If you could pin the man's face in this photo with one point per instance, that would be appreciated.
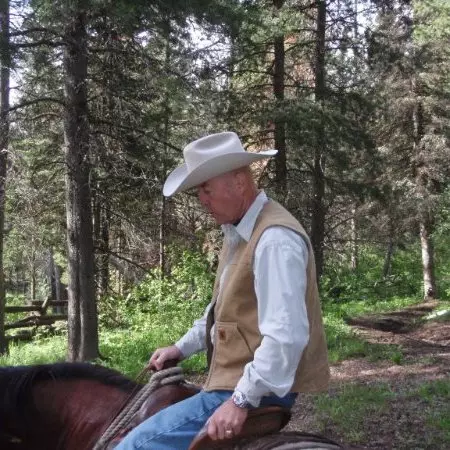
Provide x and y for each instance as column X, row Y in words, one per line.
column 221, row 198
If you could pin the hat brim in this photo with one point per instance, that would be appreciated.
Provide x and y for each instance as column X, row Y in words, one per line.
column 181, row 179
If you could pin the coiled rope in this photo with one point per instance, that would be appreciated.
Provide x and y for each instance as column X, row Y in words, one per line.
column 163, row 377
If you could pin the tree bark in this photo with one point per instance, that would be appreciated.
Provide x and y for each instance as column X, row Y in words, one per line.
column 33, row 273
column 429, row 279
column 387, row 266
column 101, row 239
column 426, row 213
column 167, row 113
column 318, row 207
column 354, row 241
column 82, row 321
column 279, row 123
column 4, row 143
column 104, row 249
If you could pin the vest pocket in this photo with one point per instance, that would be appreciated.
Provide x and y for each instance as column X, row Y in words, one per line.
column 230, row 347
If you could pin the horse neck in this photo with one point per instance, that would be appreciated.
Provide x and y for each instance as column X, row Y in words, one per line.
column 77, row 410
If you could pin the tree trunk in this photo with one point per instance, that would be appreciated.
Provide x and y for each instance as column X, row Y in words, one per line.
column 387, row 266
column 429, row 279
column 33, row 274
column 82, row 322
column 101, row 239
column 4, row 142
column 167, row 113
column 426, row 219
column 318, row 207
column 104, row 255
column 279, row 123
column 354, row 242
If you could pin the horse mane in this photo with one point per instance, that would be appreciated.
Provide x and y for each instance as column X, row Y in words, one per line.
column 16, row 382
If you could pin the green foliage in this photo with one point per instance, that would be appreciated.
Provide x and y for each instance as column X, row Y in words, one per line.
column 130, row 350
column 14, row 300
column 347, row 293
column 348, row 409
column 441, row 242
column 40, row 351
column 341, row 284
column 435, row 396
column 429, row 390
column 156, row 312
column 190, row 280
column 171, row 301
column 342, row 341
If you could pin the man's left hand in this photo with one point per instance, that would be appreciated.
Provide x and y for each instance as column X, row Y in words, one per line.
column 227, row 421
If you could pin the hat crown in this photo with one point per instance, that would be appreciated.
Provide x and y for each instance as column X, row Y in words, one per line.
column 200, row 151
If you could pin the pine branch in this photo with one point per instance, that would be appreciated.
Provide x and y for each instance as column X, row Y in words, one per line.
column 35, row 102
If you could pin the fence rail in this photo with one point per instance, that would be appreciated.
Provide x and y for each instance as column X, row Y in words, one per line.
column 36, row 306
column 41, row 313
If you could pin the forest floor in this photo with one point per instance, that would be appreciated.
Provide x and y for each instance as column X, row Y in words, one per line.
column 386, row 405
column 403, row 419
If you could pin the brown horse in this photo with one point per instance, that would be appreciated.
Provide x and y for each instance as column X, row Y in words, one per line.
column 67, row 406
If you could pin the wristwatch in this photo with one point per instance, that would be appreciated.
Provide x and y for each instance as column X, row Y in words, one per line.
column 240, row 400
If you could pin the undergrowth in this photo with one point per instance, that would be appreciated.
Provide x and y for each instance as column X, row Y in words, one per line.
column 159, row 310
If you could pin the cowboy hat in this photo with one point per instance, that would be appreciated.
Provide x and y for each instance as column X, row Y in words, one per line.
column 209, row 157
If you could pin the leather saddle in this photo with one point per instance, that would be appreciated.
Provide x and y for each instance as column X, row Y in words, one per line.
column 260, row 421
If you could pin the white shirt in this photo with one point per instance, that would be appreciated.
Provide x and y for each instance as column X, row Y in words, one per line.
column 281, row 258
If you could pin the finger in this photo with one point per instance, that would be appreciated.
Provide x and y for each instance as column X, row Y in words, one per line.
column 153, row 362
column 151, row 366
column 212, row 430
column 228, row 432
column 159, row 362
column 237, row 427
column 221, row 431
column 154, row 356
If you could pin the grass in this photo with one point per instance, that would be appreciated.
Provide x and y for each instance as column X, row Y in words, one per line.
column 40, row 351
column 436, row 397
column 354, row 411
column 348, row 409
column 343, row 342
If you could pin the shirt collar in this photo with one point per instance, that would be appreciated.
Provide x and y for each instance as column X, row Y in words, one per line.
column 247, row 223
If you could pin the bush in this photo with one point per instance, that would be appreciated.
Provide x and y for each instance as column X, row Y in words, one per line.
column 174, row 301
column 341, row 284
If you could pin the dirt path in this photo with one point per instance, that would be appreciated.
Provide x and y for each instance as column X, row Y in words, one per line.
column 403, row 423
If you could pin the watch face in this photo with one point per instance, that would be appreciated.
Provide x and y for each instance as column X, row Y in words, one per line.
column 239, row 399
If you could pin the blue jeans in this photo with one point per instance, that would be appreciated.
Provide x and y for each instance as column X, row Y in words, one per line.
column 175, row 427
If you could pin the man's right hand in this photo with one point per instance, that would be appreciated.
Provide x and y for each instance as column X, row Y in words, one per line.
column 161, row 355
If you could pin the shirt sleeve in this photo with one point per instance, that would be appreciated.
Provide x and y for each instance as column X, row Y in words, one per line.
column 194, row 340
column 281, row 259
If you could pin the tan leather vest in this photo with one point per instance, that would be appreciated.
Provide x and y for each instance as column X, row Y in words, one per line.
column 236, row 332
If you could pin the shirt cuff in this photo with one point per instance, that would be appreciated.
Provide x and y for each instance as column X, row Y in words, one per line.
column 251, row 392
column 187, row 346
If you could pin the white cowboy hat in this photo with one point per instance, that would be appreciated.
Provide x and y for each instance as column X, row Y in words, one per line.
column 209, row 157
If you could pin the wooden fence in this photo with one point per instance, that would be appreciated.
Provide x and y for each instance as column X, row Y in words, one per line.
column 39, row 314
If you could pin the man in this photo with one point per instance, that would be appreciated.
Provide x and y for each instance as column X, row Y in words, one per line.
column 263, row 329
